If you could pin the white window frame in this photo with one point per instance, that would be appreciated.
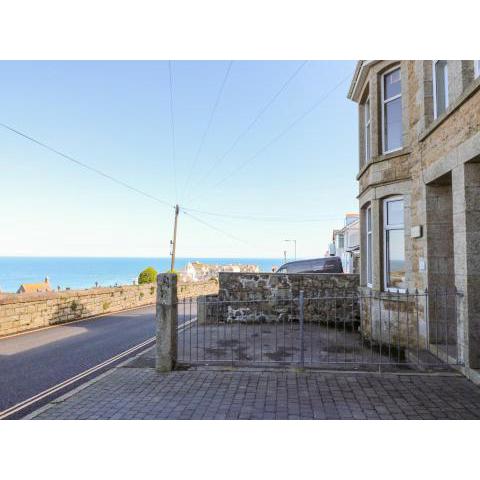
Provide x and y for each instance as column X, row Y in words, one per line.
column 367, row 137
column 384, row 102
column 369, row 257
column 434, row 79
column 386, row 228
column 476, row 67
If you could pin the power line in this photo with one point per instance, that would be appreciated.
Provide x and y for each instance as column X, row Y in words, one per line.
column 209, row 124
column 172, row 125
column 264, row 218
column 215, row 228
column 86, row 166
column 257, row 117
column 277, row 137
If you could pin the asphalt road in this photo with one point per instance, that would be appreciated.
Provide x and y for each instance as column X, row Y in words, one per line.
column 35, row 361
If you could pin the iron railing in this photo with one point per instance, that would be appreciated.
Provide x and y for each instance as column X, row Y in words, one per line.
column 373, row 330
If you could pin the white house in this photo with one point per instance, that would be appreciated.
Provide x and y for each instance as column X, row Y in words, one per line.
column 346, row 243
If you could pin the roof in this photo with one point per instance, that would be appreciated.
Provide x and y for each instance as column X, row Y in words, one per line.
column 358, row 79
column 34, row 287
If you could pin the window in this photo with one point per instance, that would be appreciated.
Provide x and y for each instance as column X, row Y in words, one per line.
column 340, row 241
column 476, row 64
column 440, row 87
column 394, row 244
column 367, row 130
column 369, row 247
column 392, row 111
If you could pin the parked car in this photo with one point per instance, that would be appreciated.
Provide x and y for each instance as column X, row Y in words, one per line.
column 316, row 265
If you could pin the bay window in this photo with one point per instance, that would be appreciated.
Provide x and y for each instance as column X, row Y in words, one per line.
column 440, row 87
column 392, row 111
column 394, row 243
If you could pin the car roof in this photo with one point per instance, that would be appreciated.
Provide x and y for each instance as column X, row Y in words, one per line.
column 308, row 260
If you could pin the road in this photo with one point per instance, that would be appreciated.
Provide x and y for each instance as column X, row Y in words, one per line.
column 33, row 362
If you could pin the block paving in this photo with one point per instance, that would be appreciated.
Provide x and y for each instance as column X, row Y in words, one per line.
column 137, row 391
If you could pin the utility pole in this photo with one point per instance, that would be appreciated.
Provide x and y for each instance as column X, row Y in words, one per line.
column 174, row 241
column 295, row 243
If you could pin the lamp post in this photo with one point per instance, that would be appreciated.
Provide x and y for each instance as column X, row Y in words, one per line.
column 295, row 243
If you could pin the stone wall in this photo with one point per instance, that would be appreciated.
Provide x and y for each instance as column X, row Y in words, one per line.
column 21, row 312
column 394, row 320
column 246, row 297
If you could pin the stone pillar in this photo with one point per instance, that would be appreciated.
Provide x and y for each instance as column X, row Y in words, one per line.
column 440, row 261
column 466, row 221
column 166, row 322
column 202, row 309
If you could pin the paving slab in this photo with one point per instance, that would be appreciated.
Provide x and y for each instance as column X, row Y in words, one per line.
column 137, row 391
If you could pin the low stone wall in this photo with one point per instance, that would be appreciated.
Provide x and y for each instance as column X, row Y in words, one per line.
column 393, row 320
column 266, row 297
column 20, row 312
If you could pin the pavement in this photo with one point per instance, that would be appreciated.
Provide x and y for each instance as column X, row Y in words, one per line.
column 38, row 366
column 35, row 361
column 136, row 391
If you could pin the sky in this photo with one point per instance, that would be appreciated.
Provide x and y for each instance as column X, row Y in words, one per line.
column 295, row 164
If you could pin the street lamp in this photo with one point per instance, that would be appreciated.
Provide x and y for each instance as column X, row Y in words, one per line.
column 295, row 243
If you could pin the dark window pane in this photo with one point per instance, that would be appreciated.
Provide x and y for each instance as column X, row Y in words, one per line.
column 367, row 142
column 393, row 124
column 369, row 258
column 441, row 82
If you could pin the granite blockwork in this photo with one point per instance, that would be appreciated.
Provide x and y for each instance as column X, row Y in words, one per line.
column 269, row 297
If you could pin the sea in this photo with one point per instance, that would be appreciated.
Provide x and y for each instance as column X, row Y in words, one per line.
column 84, row 272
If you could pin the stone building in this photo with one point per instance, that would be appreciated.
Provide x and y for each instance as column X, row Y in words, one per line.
column 197, row 271
column 419, row 187
column 35, row 287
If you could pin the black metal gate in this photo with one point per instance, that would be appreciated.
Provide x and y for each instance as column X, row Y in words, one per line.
column 394, row 330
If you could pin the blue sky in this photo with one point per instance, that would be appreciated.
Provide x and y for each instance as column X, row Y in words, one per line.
column 115, row 116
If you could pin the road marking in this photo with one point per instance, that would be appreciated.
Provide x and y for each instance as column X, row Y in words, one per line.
column 49, row 391
column 59, row 386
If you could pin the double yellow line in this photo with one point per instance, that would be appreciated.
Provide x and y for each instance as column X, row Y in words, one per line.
column 56, row 388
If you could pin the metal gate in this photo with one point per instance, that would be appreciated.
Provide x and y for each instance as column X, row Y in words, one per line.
column 345, row 329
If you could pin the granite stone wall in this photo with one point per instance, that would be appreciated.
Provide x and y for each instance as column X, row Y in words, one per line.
column 21, row 312
column 267, row 297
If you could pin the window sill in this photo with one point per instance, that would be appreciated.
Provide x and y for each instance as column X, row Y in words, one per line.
column 381, row 158
column 469, row 91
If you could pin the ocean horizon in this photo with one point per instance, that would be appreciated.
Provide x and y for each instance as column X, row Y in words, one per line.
column 84, row 272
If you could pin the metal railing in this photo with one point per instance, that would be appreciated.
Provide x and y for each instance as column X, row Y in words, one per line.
column 341, row 328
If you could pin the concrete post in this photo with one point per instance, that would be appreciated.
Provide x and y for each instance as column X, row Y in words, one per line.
column 201, row 309
column 166, row 322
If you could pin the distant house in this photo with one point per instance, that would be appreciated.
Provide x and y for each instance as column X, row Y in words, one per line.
column 198, row 271
column 346, row 243
column 35, row 287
